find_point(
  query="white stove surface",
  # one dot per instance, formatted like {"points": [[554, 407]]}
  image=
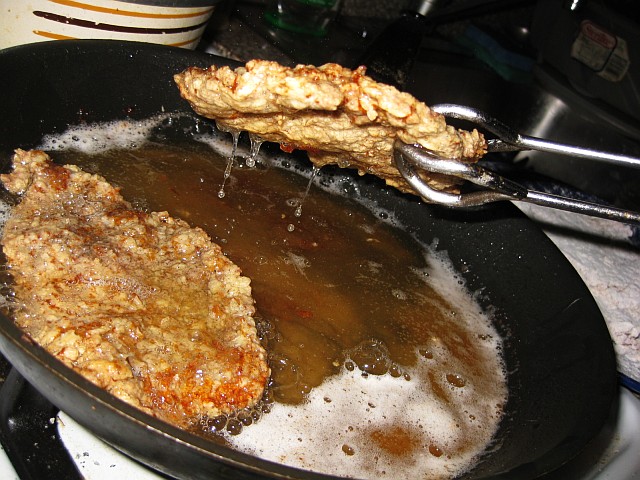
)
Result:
{"points": [[620, 460], [6, 469]]}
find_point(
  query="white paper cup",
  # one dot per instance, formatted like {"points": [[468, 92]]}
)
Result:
{"points": [[176, 23]]}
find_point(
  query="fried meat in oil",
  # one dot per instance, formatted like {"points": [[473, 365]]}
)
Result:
{"points": [[139, 303]]}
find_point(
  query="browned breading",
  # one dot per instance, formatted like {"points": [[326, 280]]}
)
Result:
{"points": [[141, 304], [337, 115]]}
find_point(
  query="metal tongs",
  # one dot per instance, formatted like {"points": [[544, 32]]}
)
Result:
{"points": [[408, 158]]}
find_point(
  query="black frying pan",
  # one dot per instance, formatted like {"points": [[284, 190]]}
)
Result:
{"points": [[561, 365]]}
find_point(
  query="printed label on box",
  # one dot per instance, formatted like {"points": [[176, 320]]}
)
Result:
{"points": [[604, 53]]}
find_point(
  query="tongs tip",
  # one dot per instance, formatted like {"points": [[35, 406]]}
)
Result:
{"points": [[410, 159]]}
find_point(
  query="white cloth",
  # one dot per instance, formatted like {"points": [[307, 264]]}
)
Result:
{"points": [[609, 264]]}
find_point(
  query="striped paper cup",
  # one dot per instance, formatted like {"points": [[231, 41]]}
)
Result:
{"points": [[176, 23]]}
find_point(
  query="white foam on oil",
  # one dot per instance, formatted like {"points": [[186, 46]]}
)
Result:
{"points": [[334, 431], [299, 262], [5, 211], [6, 300], [98, 137]]}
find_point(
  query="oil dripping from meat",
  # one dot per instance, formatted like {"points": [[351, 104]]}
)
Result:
{"points": [[256, 143], [235, 135], [297, 203], [250, 161], [314, 172]]}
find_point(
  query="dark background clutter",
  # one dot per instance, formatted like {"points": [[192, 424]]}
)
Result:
{"points": [[565, 70]]}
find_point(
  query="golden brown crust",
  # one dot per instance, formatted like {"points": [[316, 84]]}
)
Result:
{"points": [[141, 304], [337, 115]]}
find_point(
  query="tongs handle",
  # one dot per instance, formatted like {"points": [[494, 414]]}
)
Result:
{"points": [[508, 140]]}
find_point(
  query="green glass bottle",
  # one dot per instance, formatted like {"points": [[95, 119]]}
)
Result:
{"points": [[310, 17]]}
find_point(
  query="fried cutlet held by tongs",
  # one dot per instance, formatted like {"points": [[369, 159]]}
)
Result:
{"points": [[339, 116]]}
